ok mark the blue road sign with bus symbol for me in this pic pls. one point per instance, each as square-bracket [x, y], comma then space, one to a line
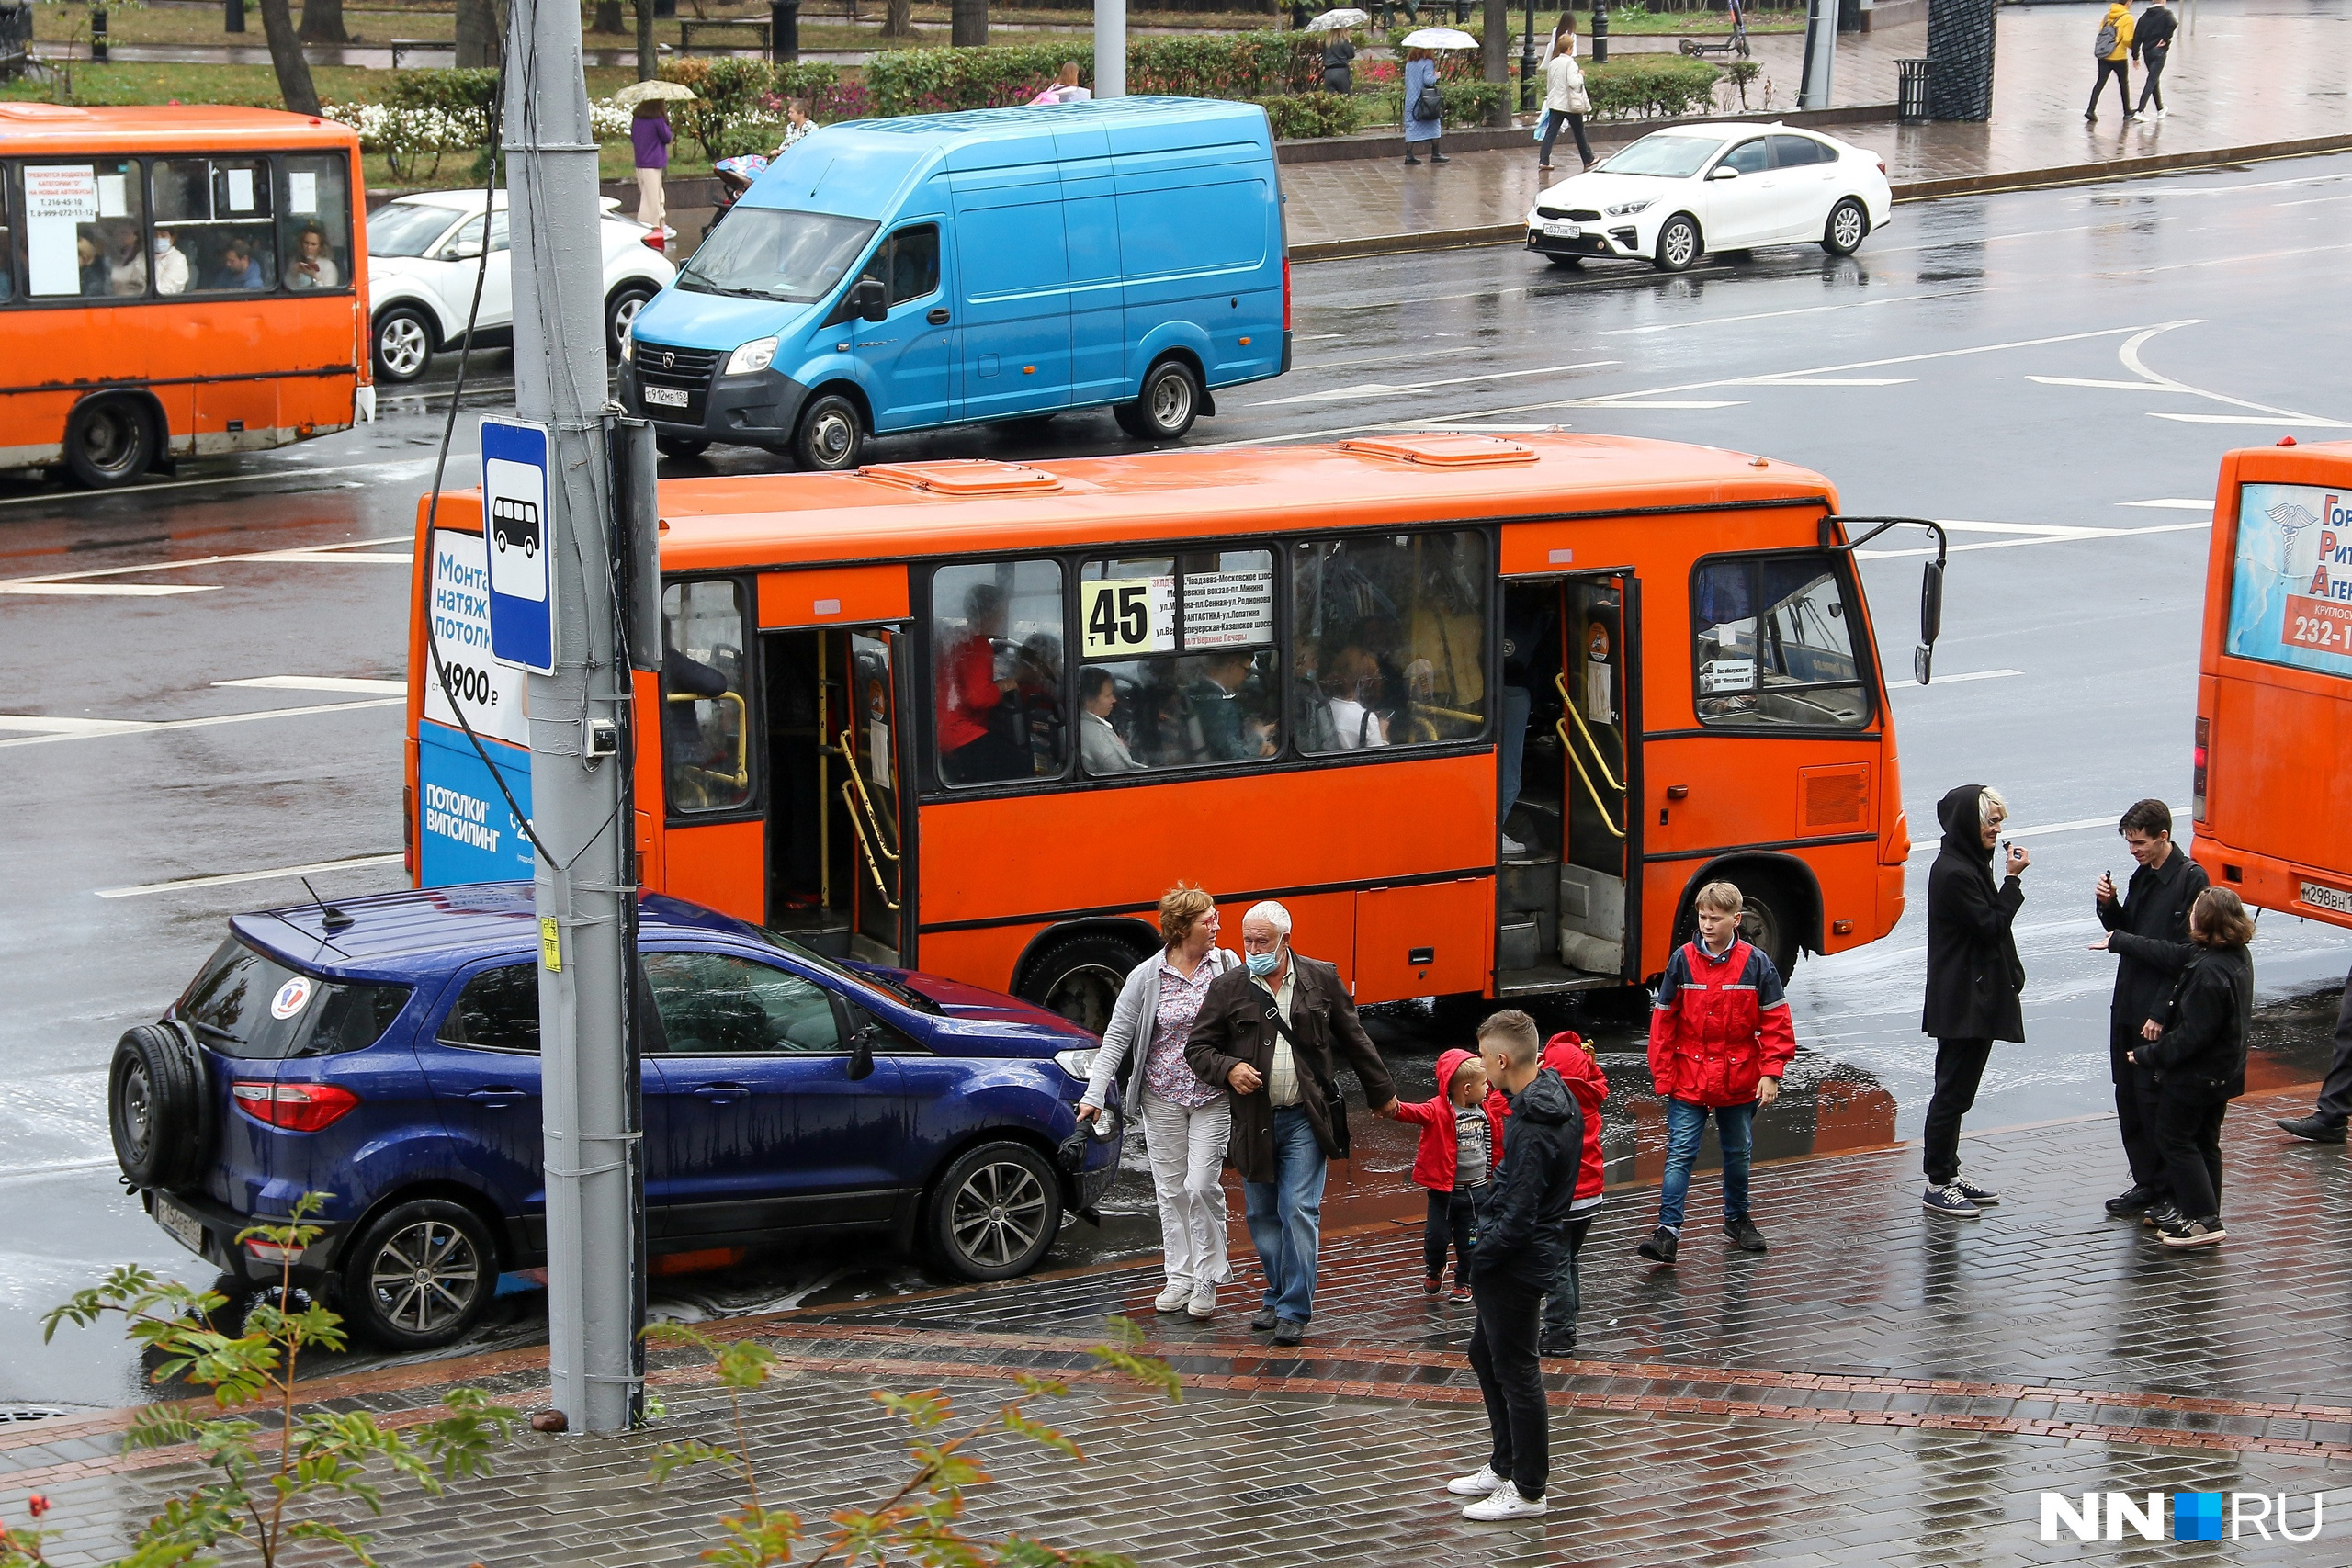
[515, 511]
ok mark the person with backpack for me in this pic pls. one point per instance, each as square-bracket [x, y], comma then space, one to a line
[1424, 111]
[2152, 41]
[2113, 50]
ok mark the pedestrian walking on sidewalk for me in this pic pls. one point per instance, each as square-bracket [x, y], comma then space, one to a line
[1564, 99]
[2152, 42]
[1185, 1121]
[1272, 1032]
[1720, 1039]
[1462, 1141]
[650, 137]
[2326, 1123]
[1974, 980]
[1567, 1054]
[1517, 1260]
[2155, 904]
[2112, 49]
[2196, 1044]
[1424, 110]
[1338, 62]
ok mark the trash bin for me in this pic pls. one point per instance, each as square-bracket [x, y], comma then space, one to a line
[784, 29]
[1911, 91]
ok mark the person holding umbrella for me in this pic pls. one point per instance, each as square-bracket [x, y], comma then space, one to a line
[1424, 109]
[1339, 47]
[650, 138]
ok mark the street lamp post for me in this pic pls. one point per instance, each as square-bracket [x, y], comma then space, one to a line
[1601, 32]
[1110, 48]
[1527, 63]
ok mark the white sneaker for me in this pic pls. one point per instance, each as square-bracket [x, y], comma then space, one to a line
[1505, 1503]
[1486, 1483]
[1172, 1296]
[1203, 1305]
[1513, 846]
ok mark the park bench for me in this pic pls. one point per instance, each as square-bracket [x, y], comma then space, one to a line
[412, 45]
[689, 28]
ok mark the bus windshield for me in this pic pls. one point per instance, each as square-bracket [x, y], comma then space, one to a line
[761, 252]
[406, 228]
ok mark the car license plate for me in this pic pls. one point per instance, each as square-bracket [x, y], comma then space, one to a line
[185, 1228]
[665, 397]
[2334, 898]
[1563, 231]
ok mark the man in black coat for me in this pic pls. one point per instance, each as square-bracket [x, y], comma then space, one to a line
[1522, 1235]
[2155, 904]
[1974, 980]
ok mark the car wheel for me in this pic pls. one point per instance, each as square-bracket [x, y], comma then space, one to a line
[620, 312]
[1848, 225]
[831, 433]
[403, 343]
[422, 1275]
[109, 442]
[1081, 978]
[996, 1211]
[1566, 264]
[157, 1106]
[680, 446]
[1678, 244]
[1166, 406]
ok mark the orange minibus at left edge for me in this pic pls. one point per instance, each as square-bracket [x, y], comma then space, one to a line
[176, 282]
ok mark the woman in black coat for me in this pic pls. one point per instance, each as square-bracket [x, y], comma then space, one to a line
[1974, 980]
[2197, 1044]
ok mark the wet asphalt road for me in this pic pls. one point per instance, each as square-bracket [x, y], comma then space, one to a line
[2004, 362]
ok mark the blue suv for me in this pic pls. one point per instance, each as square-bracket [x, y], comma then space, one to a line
[385, 1050]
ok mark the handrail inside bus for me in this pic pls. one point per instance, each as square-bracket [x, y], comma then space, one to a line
[873, 862]
[1570, 746]
[874, 818]
[742, 774]
[1567, 705]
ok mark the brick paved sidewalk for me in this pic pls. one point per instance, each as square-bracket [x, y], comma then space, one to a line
[1881, 1387]
[2248, 76]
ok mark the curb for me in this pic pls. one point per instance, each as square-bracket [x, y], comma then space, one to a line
[1388, 144]
[1909, 191]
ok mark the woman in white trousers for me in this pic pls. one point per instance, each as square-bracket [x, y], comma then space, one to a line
[1185, 1121]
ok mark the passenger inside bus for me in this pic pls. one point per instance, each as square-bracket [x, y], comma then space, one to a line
[976, 722]
[126, 266]
[1355, 683]
[240, 267]
[94, 266]
[1099, 745]
[1231, 728]
[171, 263]
[311, 266]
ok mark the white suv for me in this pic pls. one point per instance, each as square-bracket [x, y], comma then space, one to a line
[424, 252]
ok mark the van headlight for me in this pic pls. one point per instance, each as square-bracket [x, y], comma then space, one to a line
[753, 357]
[1627, 209]
[1078, 1064]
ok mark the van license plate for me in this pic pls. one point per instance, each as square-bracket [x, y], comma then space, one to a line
[665, 397]
[2334, 898]
[185, 1228]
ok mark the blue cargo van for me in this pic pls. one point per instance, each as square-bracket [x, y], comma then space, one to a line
[899, 275]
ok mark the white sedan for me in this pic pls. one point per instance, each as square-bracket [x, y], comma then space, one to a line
[424, 252]
[1676, 195]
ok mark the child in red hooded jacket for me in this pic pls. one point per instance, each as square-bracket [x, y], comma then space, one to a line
[1567, 1054]
[1461, 1144]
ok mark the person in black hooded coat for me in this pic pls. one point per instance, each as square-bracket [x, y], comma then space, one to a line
[1973, 979]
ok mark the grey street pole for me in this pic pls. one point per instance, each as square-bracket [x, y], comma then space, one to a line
[1820, 55]
[584, 886]
[1110, 48]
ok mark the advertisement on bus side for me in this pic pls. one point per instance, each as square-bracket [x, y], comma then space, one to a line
[2291, 586]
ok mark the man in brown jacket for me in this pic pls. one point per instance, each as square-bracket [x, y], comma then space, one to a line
[1267, 1033]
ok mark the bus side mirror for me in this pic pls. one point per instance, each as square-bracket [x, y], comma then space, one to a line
[1931, 619]
[869, 299]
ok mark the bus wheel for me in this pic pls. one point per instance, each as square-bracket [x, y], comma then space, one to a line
[1768, 923]
[403, 343]
[1166, 405]
[830, 434]
[110, 441]
[1079, 978]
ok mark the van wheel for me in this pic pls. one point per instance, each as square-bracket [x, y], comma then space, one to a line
[996, 1211]
[1081, 978]
[109, 442]
[680, 446]
[1166, 405]
[157, 1102]
[422, 1275]
[1678, 244]
[403, 343]
[831, 434]
[1846, 228]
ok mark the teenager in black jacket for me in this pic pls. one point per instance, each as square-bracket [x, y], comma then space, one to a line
[1974, 980]
[2152, 41]
[2197, 1044]
[2156, 903]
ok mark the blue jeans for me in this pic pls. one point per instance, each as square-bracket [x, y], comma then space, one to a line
[1287, 1215]
[1684, 1123]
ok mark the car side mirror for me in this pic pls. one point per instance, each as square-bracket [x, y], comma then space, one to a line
[861, 1056]
[461, 252]
[1724, 172]
[869, 299]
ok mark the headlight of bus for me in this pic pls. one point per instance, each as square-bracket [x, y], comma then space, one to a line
[753, 357]
[1626, 208]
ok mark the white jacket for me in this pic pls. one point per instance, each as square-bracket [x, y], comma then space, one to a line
[1564, 82]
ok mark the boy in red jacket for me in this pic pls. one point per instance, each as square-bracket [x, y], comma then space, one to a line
[1567, 1054]
[1720, 1038]
[1461, 1144]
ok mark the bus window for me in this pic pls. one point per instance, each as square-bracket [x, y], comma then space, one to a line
[1391, 641]
[213, 233]
[996, 652]
[705, 724]
[83, 230]
[314, 221]
[1180, 663]
[8, 290]
[1796, 666]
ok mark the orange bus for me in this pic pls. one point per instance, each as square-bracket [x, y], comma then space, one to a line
[2274, 687]
[975, 716]
[177, 283]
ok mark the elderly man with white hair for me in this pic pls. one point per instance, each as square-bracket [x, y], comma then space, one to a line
[1273, 1032]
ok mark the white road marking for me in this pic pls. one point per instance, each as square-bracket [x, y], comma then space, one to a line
[2298, 420]
[40, 723]
[48, 581]
[2080, 825]
[2176, 503]
[107, 590]
[1828, 381]
[56, 1167]
[1775, 315]
[355, 862]
[1364, 390]
[2109, 386]
[1381, 390]
[258, 476]
[1955, 679]
[2066, 536]
[321, 684]
[1635, 401]
[131, 728]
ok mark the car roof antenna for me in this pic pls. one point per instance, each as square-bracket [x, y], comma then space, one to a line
[332, 919]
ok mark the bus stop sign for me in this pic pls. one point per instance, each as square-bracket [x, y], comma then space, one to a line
[515, 528]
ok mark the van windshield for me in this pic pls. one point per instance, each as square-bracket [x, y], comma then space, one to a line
[764, 252]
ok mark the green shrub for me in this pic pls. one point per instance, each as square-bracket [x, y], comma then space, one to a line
[1651, 87]
[1230, 65]
[1462, 104]
[1298, 115]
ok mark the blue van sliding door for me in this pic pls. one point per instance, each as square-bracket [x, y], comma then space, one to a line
[1010, 246]
[1100, 372]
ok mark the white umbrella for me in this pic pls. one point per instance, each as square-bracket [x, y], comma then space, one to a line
[1438, 38]
[636, 93]
[1332, 21]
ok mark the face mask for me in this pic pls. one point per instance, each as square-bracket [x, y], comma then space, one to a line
[162, 245]
[1263, 963]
